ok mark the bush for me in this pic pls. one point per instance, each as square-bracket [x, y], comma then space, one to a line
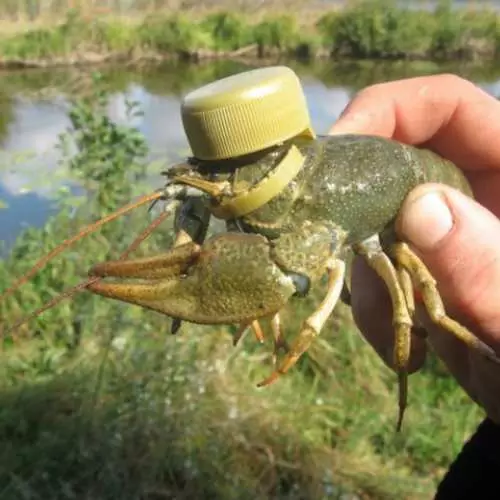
[173, 34]
[277, 32]
[363, 29]
[228, 31]
[378, 28]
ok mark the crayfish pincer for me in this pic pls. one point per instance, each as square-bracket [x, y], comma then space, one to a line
[294, 204]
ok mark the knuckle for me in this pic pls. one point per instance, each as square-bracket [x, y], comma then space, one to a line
[374, 90]
[455, 83]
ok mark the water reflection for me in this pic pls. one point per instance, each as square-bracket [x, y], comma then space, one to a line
[23, 211]
[32, 120]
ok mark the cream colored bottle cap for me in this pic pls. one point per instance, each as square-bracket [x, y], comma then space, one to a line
[245, 113]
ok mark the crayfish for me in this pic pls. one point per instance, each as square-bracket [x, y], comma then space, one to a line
[294, 203]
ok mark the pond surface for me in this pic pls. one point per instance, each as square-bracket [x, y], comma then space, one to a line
[34, 104]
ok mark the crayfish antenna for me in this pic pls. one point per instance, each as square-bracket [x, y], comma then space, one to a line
[93, 279]
[84, 232]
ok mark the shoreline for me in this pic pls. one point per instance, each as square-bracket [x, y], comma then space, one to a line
[94, 59]
[366, 31]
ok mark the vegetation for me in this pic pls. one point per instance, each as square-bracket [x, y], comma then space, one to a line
[361, 29]
[99, 401]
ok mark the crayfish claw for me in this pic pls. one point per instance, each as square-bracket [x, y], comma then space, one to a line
[202, 284]
[168, 264]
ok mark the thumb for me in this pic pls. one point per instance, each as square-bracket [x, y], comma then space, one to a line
[459, 241]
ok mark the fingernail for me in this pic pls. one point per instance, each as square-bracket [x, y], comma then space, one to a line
[426, 221]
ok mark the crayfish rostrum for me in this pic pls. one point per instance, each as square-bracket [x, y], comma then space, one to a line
[294, 203]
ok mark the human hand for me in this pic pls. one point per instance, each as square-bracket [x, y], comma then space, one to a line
[457, 238]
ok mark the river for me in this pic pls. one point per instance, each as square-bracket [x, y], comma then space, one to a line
[34, 104]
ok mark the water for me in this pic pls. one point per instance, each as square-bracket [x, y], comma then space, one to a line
[33, 113]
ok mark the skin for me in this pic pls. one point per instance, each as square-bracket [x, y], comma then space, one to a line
[456, 119]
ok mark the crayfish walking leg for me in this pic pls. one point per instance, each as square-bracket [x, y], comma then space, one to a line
[426, 284]
[408, 272]
[314, 323]
[376, 258]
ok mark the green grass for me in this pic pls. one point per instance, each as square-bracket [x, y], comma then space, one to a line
[100, 402]
[374, 29]
[138, 413]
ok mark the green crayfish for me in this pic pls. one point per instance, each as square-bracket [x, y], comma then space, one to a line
[294, 203]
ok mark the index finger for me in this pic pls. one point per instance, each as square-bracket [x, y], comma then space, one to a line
[446, 113]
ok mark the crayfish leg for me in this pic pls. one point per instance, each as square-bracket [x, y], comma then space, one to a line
[376, 258]
[279, 340]
[313, 324]
[433, 303]
[405, 281]
[257, 330]
[176, 325]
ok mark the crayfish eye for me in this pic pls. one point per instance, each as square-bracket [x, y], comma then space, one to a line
[301, 283]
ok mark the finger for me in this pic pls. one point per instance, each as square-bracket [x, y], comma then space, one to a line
[372, 311]
[486, 187]
[459, 241]
[444, 112]
[481, 380]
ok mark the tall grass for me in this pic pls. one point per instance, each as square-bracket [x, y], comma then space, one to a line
[362, 29]
[99, 401]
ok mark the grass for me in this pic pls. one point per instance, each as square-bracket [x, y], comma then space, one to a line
[137, 414]
[99, 401]
[361, 29]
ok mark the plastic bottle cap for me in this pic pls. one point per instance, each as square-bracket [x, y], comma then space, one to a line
[245, 113]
